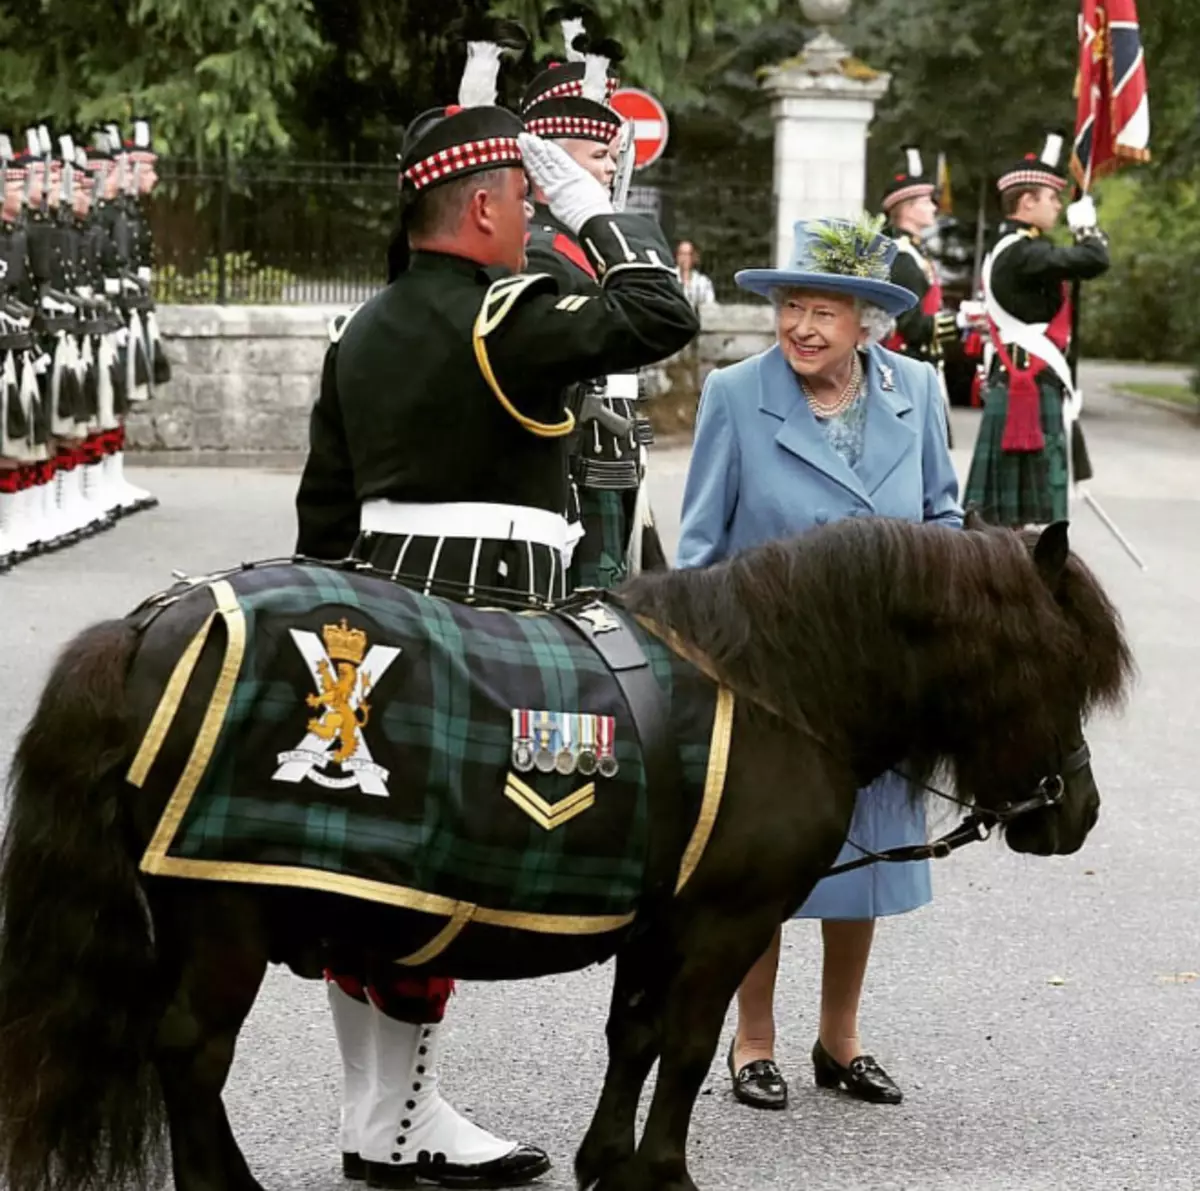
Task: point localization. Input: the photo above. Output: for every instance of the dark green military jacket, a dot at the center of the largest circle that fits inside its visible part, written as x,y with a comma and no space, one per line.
406,412
1028,277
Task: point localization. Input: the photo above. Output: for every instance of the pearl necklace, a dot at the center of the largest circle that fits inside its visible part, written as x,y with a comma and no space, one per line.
844,402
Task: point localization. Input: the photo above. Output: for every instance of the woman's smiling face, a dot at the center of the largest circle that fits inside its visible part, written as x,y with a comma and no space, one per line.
818,332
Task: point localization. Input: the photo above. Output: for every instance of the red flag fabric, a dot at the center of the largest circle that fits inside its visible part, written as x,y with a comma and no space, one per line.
1112,117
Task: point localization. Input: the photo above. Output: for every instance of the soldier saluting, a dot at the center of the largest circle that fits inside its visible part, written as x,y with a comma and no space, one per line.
438,455
1020,472
567,103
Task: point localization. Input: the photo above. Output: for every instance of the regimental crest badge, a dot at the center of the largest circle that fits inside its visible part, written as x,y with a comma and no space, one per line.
344,671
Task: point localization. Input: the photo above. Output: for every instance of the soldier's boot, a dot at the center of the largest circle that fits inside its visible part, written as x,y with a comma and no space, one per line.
18,515
69,505
130,497
96,493
83,486
11,548
410,1134
353,1026
52,525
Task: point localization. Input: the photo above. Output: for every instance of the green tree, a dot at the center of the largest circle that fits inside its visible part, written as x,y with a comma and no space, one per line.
206,71
384,61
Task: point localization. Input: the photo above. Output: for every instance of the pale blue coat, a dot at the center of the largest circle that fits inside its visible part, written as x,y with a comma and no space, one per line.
762,469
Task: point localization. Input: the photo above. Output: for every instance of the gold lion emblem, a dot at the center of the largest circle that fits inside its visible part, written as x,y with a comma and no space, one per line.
343,719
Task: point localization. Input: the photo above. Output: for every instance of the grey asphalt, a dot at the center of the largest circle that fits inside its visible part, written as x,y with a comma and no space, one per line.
1043,1016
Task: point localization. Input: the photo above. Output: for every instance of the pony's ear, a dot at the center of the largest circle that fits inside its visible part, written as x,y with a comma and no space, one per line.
974,519
1051,553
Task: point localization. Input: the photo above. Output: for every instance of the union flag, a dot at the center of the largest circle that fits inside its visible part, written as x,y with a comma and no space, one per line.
1112,117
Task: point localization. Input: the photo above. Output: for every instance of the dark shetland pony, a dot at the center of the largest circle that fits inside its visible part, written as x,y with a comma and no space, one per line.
977,653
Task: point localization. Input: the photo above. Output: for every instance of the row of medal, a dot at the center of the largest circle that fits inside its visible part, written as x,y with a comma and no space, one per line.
563,742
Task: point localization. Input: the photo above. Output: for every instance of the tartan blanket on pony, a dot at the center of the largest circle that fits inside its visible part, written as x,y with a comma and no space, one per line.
364,739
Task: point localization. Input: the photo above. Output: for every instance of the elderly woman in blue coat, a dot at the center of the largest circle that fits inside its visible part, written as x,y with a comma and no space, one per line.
825,424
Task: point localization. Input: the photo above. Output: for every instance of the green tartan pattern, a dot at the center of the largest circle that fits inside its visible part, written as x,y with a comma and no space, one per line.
440,723
1016,488
599,559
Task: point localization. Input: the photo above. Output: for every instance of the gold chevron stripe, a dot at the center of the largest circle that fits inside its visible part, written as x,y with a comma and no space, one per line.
548,815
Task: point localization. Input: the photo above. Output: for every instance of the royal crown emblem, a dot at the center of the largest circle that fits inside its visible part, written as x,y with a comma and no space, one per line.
344,644
344,671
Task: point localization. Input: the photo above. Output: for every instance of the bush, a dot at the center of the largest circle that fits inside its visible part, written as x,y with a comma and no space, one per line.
1147,307
246,282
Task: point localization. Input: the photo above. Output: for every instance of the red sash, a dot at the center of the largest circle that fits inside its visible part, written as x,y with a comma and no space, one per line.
1023,422
931,304
567,247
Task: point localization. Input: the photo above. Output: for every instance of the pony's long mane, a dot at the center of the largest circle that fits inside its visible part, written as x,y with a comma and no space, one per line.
797,624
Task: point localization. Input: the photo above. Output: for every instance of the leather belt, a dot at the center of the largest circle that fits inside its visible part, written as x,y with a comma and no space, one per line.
607,628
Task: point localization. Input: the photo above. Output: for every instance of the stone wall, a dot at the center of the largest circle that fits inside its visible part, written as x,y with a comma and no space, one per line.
245,377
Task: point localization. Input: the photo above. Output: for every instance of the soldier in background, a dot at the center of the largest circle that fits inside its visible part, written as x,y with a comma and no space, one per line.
131,296
923,332
1021,470
19,394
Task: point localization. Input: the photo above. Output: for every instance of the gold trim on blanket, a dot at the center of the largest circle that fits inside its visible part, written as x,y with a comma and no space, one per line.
463,914
155,859
714,786
321,881
168,706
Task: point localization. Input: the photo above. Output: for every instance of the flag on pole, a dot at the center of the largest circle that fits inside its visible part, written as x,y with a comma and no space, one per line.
945,198
1112,116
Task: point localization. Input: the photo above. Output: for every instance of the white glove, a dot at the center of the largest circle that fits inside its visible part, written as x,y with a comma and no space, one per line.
572,194
1081,215
971,314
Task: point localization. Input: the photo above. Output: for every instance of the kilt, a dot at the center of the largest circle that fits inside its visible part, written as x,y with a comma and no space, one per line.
599,559
1016,488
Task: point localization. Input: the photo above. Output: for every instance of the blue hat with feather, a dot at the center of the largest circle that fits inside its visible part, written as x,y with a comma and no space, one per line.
837,256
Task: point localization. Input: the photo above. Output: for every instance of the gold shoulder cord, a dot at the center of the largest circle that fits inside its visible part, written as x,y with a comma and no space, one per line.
497,302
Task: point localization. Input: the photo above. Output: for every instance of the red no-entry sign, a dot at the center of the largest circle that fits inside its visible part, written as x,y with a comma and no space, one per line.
649,123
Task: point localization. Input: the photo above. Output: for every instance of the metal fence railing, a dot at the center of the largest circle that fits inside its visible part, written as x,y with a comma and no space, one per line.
295,232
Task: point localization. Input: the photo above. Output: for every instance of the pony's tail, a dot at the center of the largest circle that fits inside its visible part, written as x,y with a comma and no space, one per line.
80,1107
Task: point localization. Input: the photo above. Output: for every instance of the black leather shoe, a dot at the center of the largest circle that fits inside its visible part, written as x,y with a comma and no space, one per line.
519,1166
864,1079
353,1167
759,1084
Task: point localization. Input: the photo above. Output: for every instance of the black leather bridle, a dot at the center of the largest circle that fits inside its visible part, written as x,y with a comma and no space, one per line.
980,823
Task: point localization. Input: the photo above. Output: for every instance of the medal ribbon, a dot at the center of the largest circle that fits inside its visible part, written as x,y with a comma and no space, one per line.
605,726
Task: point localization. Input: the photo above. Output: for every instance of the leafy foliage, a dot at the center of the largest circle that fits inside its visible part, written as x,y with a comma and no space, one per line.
851,249
206,71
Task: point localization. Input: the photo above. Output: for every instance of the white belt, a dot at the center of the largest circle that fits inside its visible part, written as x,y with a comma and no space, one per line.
468,519
623,385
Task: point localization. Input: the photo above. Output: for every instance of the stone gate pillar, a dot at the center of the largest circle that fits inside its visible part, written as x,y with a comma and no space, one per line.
822,102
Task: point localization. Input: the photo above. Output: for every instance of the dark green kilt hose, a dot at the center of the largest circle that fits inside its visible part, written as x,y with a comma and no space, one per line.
1016,488
599,559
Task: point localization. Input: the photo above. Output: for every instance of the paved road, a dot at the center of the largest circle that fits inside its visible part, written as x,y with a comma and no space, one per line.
1043,1016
